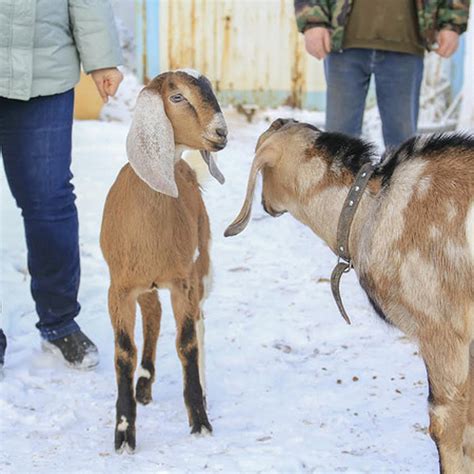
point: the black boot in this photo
(3, 346)
(75, 349)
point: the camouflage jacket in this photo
(433, 15)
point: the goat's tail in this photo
(194, 159)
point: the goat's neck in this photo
(178, 152)
(321, 213)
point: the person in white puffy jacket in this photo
(42, 44)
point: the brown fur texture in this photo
(150, 241)
(411, 244)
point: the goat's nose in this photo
(221, 132)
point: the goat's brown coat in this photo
(410, 250)
(151, 240)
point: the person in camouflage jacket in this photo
(432, 15)
(385, 39)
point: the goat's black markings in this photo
(193, 394)
(188, 332)
(350, 152)
(124, 341)
(148, 365)
(125, 406)
(193, 390)
(353, 153)
(365, 284)
(432, 146)
(207, 94)
(378, 310)
(430, 389)
(143, 391)
(440, 141)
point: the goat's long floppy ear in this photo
(150, 144)
(262, 159)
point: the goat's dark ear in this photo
(150, 144)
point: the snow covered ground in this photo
(291, 387)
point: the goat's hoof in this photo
(125, 440)
(202, 428)
(143, 391)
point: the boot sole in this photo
(90, 361)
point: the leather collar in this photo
(344, 262)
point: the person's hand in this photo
(448, 41)
(107, 81)
(317, 41)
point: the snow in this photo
(290, 387)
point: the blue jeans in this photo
(397, 84)
(35, 141)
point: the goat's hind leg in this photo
(151, 313)
(122, 313)
(447, 362)
(186, 309)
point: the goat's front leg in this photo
(447, 362)
(186, 310)
(151, 313)
(122, 313)
(469, 430)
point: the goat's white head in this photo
(279, 154)
(175, 109)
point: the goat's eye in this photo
(177, 98)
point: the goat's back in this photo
(418, 244)
(148, 237)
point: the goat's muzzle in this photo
(271, 211)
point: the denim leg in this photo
(398, 79)
(348, 78)
(35, 139)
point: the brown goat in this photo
(155, 234)
(412, 247)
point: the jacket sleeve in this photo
(95, 34)
(453, 15)
(311, 13)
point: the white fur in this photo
(141, 372)
(196, 254)
(451, 210)
(123, 425)
(217, 121)
(435, 233)
(194, 159)
(423, 186)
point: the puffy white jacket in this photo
(43, 42)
